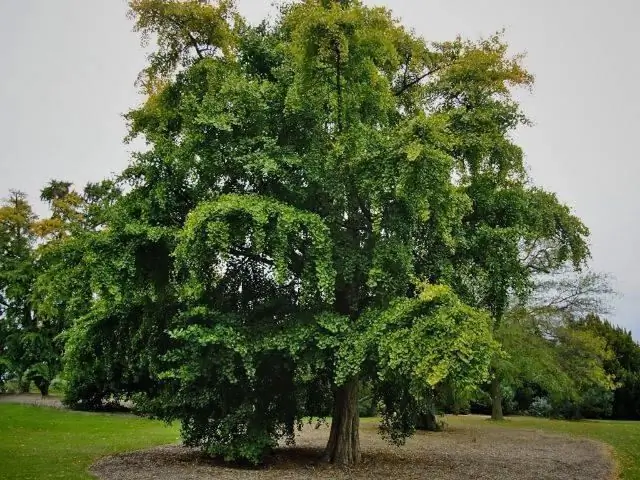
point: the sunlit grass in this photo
(47, 443)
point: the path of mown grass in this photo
(624, 437)
(48, 443)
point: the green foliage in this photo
(326, 200)
(538, 333)
(566, 364)
(420, 344)
(27, 342)
(561, 359)
(540, 407)
(43, 286)
(530, 356)
(180, 29)
(274, 239)
(623, 365)
(124, 309)
(513, 230)
(596, 402)
(276, 234)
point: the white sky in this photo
(68, 67)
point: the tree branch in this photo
(532, 250)
(406, 69)
(418, 79)
(537, 263)
(251, 256)
(194, 42)
(297, 261)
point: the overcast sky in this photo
(68, 67)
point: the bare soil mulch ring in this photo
(460, 453)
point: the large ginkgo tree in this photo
(295, 226)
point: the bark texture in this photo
(496, 400)
(427, 421)
(343, 447)
(43, 386)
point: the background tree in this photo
(31, 351)
(17, 241)
(514, 230)
(537, 333)
(62, 291)
(566, 365)
(623, 365)
(35, 273)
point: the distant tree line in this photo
(577, 397)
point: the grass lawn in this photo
(624, 437)
(48, 443)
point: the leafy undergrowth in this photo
(624, 437)
(48, 443)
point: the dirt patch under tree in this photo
(459, 453)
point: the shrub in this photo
(597, 403)
(594, 403)
(58, 384)
(541, 407)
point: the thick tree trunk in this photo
(343, 447)
(427, 421)
(496, 400)
(43, 386)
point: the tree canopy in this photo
(325, 199)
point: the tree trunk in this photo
(343, 447)
(43, 386)
(427, 421)
(496, 399)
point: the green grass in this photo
(624, 437)
(47, 443)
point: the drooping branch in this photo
(339, 84)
